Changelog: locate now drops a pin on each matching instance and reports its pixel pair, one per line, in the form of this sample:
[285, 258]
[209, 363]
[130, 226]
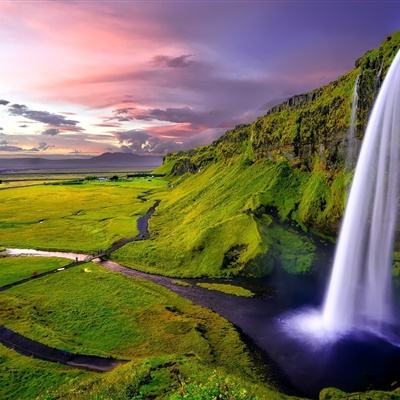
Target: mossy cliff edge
[257, 197]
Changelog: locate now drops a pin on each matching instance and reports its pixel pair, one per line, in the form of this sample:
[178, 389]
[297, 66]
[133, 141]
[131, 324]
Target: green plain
[13, 269]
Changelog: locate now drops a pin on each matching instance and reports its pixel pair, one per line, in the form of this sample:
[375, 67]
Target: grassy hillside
[249, 201]
[173, 347]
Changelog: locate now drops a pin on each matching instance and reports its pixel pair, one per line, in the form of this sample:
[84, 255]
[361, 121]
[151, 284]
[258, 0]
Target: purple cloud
[42, 146]
[11, 148]
[182, 61]
[45, 117]
[51, 132]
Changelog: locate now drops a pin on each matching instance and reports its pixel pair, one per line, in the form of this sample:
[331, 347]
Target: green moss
[336, 394]
[227, 288]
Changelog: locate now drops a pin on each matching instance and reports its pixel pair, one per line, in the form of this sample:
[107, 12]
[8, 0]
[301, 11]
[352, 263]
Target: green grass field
[85, 217]
[104, 313]
[25, 378]
[13, 269]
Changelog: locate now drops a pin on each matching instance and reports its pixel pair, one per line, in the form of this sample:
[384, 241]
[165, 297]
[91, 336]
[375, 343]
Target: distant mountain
[121, 158]
[106, 161]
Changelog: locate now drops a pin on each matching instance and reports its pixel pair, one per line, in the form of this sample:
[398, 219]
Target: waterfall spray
[359, 291]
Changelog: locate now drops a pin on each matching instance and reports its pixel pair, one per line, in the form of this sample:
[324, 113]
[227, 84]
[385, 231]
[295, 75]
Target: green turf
[104, 313]
[228, 289]
[13, 269]
[25, 378]
[172, 378]
[85, 217]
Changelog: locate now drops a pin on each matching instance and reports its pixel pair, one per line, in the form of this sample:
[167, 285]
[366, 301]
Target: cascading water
[359, 291]
[352, 147]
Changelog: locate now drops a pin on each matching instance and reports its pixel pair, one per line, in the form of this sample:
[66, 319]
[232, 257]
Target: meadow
[173, 349]
[85, 217]
[169, 343]
[13, 269]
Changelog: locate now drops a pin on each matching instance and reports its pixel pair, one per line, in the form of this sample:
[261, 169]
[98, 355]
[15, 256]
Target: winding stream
[32, 348]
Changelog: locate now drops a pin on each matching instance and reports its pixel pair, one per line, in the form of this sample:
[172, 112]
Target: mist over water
[359, 291]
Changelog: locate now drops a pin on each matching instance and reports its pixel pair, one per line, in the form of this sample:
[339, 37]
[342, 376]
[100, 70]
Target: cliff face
[313, 125]
[231, 198]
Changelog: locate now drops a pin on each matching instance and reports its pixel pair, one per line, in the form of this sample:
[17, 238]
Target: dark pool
[303, 364]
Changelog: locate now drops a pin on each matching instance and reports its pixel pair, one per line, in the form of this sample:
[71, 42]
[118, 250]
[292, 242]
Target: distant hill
[106, 161]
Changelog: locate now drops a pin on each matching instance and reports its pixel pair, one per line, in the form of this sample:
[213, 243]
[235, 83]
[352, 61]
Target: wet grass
[13, 269]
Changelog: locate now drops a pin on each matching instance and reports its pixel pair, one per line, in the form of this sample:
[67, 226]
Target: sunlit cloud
[80, 76]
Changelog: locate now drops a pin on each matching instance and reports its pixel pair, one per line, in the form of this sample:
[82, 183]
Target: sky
[149, 77]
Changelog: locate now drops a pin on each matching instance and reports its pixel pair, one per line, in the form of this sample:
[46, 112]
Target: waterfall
[352, 147]
[359, 291]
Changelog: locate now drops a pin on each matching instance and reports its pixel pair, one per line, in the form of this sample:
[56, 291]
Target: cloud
[122, 114]
[197, 119]
[10, 148]
[62, 144]
[4, 102]
[170, 66]
[108, 125]
[44, 117]
[138, 141]
[126, 136]
[42, 146]
[182, 61]
[5, 145]
[51, 132]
